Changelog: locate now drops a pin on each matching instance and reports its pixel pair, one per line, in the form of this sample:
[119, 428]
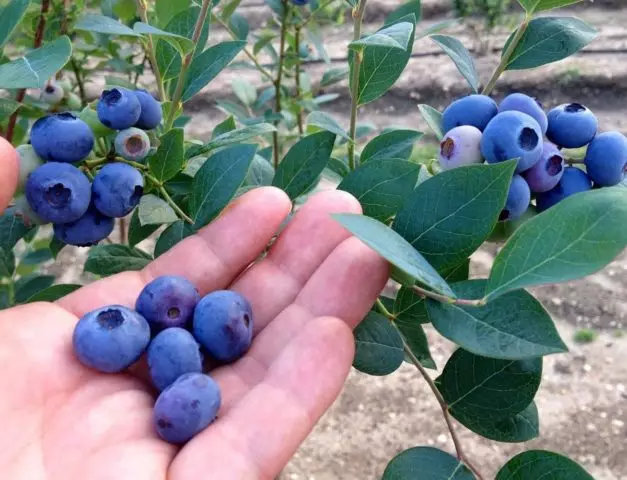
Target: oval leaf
[153, 210]
[168, 159]
[326, 122]
[26, 287]
[111, 259]
[11, 14]
[171, 236]
[417, 341]
[138, 232]
[522, 427]
[53, 293]
[433, 119]
[91, 22]
[395, 36]
[378, 346]
[535, 464]
[426, 463]
[461, 57]
[392, 145]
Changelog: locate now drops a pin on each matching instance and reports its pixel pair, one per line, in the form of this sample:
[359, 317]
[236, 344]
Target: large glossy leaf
[426, 463]
[378, 346]
[171, 236]
[11, 13]
[391, 246]
[381, 186]
[535, 464]
[260, 174]
[392, 145]
[450, 215]
[461, 57]
[111, 259]
[575, 238]
[521, 427]
[168, 159]
[488, 388]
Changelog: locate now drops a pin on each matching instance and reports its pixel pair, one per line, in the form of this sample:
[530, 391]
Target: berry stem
[123, 231]
[298, 90]
[142, 13]
[444, 299]
[278, 80]
[384, 311]
[358, 16]
[166, 196]
[79, 81]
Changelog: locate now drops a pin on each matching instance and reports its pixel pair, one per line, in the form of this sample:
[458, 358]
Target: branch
[444, 299]
[299, 116]
[358, 15]
[142, 12]
[277, 82]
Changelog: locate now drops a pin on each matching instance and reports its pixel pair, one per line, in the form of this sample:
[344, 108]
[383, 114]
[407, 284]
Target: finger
[9, 171]
[307, 241]
[211, 259]
[257, 437]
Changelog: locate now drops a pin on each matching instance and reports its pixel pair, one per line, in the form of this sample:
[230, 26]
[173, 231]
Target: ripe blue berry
[512, 135]
[88, 230]
[62, 138]
[168, 301]
[518, 199]
[573, 181]
[132, 144]
[118, 108]
[606, 159]
[223, 324]
[520, 102]
[110, 339]
[29, 162]
[186, 407]
[58, 192]
[460, 146]
[545, 174]
[571, 125]
[52, 94]
[475, 110]
[117, 189]
[300, 3]
[172, 353]
[151, 113]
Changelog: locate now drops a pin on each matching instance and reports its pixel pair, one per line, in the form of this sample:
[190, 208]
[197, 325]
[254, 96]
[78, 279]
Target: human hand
[64, 421]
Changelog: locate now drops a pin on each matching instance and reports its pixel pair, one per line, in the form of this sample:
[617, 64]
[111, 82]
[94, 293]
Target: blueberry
[172, 353]
[571, 125]
[90, 117]
[151, 113]
[518, 199]
[62, 138]
[475, 110]
[520, 102]
[460, 146]
[223, 325]
[186, 407]
[88, 230]
[110, 339]
[29, 162]
[300, 3]
[58, 192]
[573, 181]
[545, 174]
[23, 211]
[118, 108]
[132, 144]
[117, 189]
[168, 301]
[512, 135]
[303, 51]
[52, 94]
[606, 159]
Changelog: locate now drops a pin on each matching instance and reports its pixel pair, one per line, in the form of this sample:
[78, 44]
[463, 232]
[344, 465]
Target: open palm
[61, 420]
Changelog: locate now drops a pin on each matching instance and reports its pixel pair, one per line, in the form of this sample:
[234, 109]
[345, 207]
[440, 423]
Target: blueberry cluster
[176, 329]
[478, 129]
[56, 188]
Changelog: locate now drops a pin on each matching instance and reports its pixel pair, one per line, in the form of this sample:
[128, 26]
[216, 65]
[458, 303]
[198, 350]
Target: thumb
[9, 171]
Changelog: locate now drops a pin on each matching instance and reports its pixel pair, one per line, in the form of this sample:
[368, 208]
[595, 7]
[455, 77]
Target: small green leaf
[56, 246]
[225, 126]
[171, 236]
[11, 14]
[409, 307]
[91, 22]
[167, 9]
[426, 463]
[12, 229]
[378, 346]
[521, 427]
[327, 122]
[111, 259]
[412, 7]
[333, 76]
[381, 186]
[153, 210]
[217, 181]
[168, 160]
[532, 6]
[231, 138]
[239, 26]
[392, 145]
[571, 240]
[53, 293]
[182, 44]
[461, 57]
[395, 249]
[488, 388]
[535, 464]
[550, 39]
[433, 119]
[338, 166]
[416, 340]
[28, 286]
[244, 90]
[138, 232]
[7, 263]
[260, 174]
[395, 36]
[303, 163]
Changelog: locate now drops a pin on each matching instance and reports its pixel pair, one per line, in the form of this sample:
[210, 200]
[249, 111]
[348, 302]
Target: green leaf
[91, 22]
[7, 107]
[488, 388]
[409, 307]
[532, 6]
[12, 229]
[535, 464]
[333, 76]
[56, 246]
[550, 39]
[26, 287]
[36, 257]
[392, 145]
[7, 263]
[138, 232]
[327, 122]
[11, 14]
[260, 174]
[521, 427]
[206, 66]
[217, 181]
[167, 9]
[458, 273]
[378, 346]
[239, 26]
[395, 36]
[182, 44]
[410, 8]
[338, 166]
[53, 293]
[231, 138]
[381, 186]
[450, 215]
[225, 126]
[395, 249]
[416, 340]
[111, 259]
[461, 57]
[573, 239]
[153, 210]
[515, 326]
[426, 463]
[433, 119]
[244, 91]
[171, 236]
[168, 160]
[304, 163]
[34, 69]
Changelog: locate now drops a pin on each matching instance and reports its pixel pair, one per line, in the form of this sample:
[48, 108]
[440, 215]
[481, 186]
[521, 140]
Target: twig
[142, 12]
[358, 15]
[384, 311]
[444, 299]
[277, 82]
[79, 81]
[123, 231]
[299, 115]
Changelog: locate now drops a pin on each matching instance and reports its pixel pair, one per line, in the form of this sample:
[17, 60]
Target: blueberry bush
[546, 184]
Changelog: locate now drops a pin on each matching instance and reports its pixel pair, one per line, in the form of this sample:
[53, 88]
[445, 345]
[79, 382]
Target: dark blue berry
[117, 189]
[172, 353]
[151, 114]
[62, 138]
[118, 108]
[88, 230]
[168, 301]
